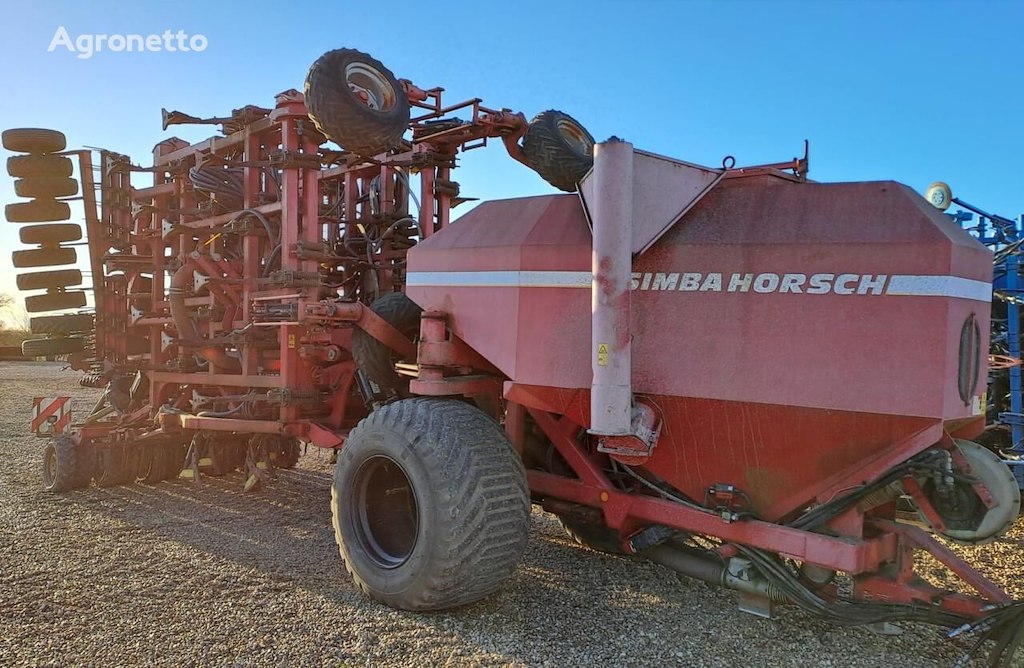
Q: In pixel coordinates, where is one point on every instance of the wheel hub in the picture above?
(370, 86)
(387, 515)
(968, 520)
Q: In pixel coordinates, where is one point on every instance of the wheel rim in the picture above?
(50, 466)
(386, 517)
(370, 86)
(576, 136)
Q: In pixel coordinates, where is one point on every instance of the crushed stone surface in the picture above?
(180, 574)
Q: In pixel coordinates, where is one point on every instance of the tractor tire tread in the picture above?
(30, 166)
(73, 469)
(55, 233)
(43, 187)
(55, 301)
(46, 280)
(548, 153)
(33, 140)
(62, 324)
(37, 211)
(480, 491)
(372, 356)
(52, 347)
(344, 118)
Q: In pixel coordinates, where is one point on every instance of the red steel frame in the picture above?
(140, 237)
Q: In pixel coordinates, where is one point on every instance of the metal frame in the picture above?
(1004, 237)
(205, 299)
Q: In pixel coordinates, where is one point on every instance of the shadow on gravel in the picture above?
(283, 530)
(279, 542)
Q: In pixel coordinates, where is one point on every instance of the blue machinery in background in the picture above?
(1005, 396)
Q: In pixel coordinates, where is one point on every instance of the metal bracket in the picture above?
(291, 279)
(287, 396)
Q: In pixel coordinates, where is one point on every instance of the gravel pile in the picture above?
(180, 574)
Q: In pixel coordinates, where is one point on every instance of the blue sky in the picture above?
(911, 91)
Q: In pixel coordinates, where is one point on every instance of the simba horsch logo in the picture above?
(752, 283)
(814, 284)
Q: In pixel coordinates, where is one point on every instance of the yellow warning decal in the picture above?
(602, 354)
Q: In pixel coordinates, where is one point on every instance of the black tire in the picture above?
(286, 453)
(153, 467)
(50, 234)
(29, 166)
(429, 504)
(62, 324)
(34, 140)
(45, 280)
(135, 456)
(44, 257)
(65, 465)
(341, 114)
(54, 301)
(112, 466)
(223, 456)
(559, 149)
(37, 211)
(51, 347)
(374, 358)
(46, 186)
(173, 460)
(597, 537)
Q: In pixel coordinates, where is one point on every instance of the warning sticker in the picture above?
(602, 354)
(50, 415)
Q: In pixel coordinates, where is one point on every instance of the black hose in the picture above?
(1004, 626)
(843, 611)
(827, 511)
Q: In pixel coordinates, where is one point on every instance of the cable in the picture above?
(1004, 626)
(672, 497)
(827, 511)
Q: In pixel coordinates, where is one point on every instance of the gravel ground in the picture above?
(179, 574)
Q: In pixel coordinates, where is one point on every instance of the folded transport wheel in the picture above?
(52, 347)
(46, 186)
(56, 233)
(71, 323)
(37, 211)
(54, 301)
(429, 504)
(47, 280)
(357, 102)
(28, 166)
(968, 520)
(559, 149)
(374, 358)
(66, 466)
(44, 257)
(33, 140)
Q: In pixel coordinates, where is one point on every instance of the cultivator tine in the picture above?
(257, 466)
(180, 118)
(191, 469)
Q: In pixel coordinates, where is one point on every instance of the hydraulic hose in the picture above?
(187, 328)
